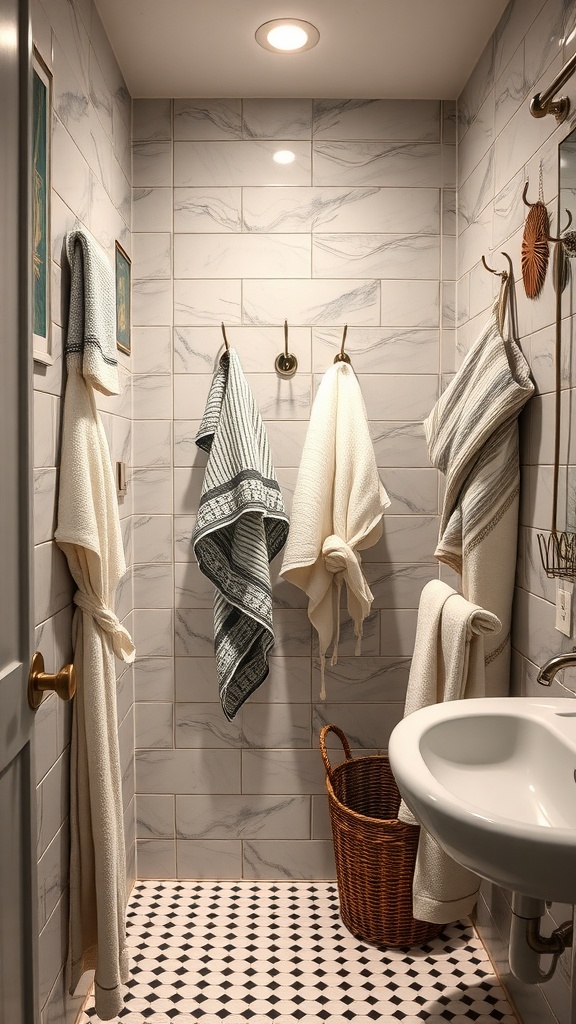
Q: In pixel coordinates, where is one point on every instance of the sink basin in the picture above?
(493, 780)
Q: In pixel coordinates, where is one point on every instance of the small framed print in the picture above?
(123, 280)
(41, 148)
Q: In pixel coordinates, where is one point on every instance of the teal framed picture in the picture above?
(41, 149)
(123, 304)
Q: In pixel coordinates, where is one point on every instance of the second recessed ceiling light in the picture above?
(287, 35)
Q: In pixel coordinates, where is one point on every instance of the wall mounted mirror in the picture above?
(565, 224)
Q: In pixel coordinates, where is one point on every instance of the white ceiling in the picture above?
(397, 49)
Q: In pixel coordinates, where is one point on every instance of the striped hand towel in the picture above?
(472, 436)
(241, 526)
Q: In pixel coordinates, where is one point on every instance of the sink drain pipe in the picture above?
(527, 945)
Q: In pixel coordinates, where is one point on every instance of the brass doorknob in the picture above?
(40, 682)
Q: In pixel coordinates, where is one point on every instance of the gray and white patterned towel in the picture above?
(91, 336)
(241, 526)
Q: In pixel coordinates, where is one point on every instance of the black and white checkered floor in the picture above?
(262, 952)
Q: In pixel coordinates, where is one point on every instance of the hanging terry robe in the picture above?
(89, 534)
(240, 527)
(472, 436)
(448, 664)
(337, 510)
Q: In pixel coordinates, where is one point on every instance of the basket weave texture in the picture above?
(375, 853)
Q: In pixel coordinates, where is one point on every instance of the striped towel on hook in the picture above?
(241, 526)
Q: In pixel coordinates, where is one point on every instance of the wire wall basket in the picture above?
(558, 554)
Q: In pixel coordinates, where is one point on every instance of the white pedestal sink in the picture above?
(493, 780)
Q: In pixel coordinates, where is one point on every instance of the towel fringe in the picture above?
(337, 594)
(322, 677)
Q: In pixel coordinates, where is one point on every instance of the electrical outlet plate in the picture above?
(564, 590)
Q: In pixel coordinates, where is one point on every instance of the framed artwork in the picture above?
(123, 276)
(41, 148)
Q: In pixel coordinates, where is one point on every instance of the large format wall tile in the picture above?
(408, 210)
(378, 349)
(188, 771)
(242, 817)
(155, 816)
(364, 255)
(198, 349)
(282, 771)
(363, 729)
(207, 209)
(375, 163)
(399, 444)
(288, 859)
(207, 119)
(209, 858)
(151, 209)
(222, 256)
(312, 302)
(204, 725)
(238, 163)
(377, 119)
(366, 680)
(151, 164)
(207, 302)
(276, 118)
(151, 120)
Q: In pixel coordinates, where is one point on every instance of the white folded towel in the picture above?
(448, 664)
(337, 510)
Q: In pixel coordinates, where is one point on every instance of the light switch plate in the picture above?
(564, 590)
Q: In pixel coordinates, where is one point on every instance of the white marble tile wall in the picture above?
(91, 185)
(500, 146)
(353, 231)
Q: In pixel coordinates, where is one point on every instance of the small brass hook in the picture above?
(286, 363)
(525, 194)
(504, 274)
(225, 338)
(342, 356)
(505, 279)
(550, 238)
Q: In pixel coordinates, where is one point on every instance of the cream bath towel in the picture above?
(89, 534)
(337, 510)
(448, 664)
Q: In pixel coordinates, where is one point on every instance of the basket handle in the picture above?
(324, 752)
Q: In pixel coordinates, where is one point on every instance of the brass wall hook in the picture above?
(506, 277)
(342, 356)
(225, 338)
(286, 363)
(565, 247)
(525, 195)
(525, 199)
(40, 682)
(504, 274)
(550, 238)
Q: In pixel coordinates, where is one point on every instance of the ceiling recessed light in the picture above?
(284, 156)
(287, 35)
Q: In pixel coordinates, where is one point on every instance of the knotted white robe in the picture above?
(89, 534)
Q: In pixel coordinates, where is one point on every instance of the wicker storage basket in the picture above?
(374, 852)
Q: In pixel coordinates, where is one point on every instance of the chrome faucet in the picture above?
(549, 670)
